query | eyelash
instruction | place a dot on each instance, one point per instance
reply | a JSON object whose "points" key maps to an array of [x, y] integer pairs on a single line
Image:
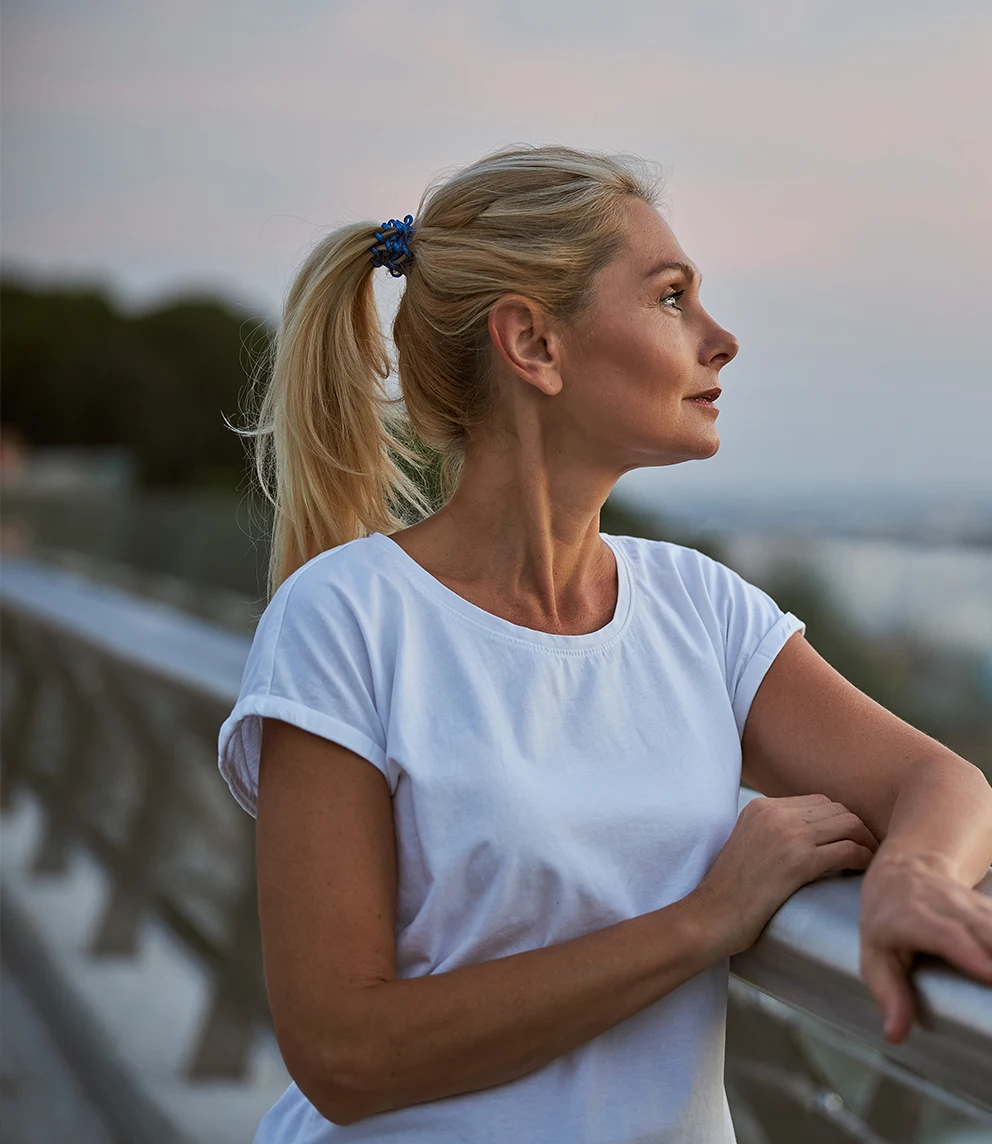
{"points": [[669, 297]]}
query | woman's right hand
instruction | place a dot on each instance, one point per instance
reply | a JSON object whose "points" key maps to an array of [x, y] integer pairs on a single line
{"points": [[776, 846]]}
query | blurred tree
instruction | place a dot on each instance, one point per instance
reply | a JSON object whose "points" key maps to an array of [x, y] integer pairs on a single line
{"points": [[76, 371], [618, 518]]}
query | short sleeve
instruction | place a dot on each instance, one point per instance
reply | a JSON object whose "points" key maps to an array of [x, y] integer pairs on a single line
{"points": [[309, 664], [753, 628]]}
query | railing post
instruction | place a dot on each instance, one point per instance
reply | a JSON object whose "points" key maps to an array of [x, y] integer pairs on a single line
{"points": [[770, 1069], [61, 793], [894, 1111], [117, 931], [224, 1045], [19, 709]]}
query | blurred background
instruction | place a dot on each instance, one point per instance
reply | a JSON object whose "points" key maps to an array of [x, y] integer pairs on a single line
{"points": [[165, 168]]}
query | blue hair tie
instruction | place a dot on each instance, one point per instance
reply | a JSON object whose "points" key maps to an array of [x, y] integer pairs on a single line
{"points": [[393, 251]]}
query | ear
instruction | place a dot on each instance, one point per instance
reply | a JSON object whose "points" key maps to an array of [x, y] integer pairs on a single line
{"points": [[526, 340]]}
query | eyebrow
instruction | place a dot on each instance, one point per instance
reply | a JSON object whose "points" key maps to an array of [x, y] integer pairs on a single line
{"points": [[684, 268]]}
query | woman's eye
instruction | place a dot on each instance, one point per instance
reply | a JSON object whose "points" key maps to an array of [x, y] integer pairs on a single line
{"points": [[672, 298]]}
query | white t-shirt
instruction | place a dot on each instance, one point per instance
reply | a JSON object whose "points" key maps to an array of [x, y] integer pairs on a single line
{"points": [[544, 786]]}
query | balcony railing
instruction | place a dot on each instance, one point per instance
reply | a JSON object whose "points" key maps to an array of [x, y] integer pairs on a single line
{"points": [[111, 707]]}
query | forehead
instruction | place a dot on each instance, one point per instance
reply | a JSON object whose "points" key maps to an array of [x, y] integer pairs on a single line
{"points": [[651, 245]]}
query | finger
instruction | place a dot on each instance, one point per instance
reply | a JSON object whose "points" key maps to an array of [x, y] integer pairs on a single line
{"points": [[900, 1016], [841, 855], [964, 949], [862, 834], [814, 798], [819, 810], [886, 974], [835, 827], [979, 919]]}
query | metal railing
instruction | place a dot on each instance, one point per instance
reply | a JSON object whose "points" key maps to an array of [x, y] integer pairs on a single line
{"points": [[111, 708]]}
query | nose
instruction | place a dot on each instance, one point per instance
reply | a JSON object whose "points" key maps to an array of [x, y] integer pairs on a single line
{"points": [[722, 347]]}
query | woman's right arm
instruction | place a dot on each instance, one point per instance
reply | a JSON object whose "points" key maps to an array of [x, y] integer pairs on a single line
{"points": [[357, 1041]]}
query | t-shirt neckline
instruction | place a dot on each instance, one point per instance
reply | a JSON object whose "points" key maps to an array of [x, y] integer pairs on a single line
{"points": [[419, 576]]}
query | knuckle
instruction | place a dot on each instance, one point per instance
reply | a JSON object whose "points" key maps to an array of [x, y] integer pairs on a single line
{"points": [[946, 929]]}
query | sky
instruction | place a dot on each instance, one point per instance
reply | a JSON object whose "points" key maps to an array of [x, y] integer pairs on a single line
{"points": [[827, 167]]}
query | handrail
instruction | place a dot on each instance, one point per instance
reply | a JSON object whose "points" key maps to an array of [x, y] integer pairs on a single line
{"points": [[807, 956], [148, 636]]}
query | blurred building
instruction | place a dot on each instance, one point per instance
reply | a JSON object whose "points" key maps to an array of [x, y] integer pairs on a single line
{"points": [[26, 469]]}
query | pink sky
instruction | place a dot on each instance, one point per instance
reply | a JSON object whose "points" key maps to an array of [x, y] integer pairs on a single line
{"points": [[828, 168]]}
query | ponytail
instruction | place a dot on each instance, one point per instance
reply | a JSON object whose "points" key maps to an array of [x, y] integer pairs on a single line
{"points": [[334, 456], [328, 436]]}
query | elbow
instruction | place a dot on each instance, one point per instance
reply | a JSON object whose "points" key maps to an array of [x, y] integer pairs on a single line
{"points": [[339, 1114], [337, 1078], [334, 1106]]}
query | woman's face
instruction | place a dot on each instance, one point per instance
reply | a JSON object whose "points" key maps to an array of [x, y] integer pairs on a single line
{"points": [[633, 359]]}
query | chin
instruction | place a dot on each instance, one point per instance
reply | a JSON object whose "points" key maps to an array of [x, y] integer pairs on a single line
{"points": [[704, 450]]}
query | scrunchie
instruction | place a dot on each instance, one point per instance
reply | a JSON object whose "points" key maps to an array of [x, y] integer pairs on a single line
{"points": [[393, 251]]}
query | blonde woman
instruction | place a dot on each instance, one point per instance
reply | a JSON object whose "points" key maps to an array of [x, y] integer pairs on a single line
{"points": [[495, 755]]}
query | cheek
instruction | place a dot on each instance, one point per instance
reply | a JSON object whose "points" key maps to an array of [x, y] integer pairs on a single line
{"points": [[629, 363], [645, 357]]}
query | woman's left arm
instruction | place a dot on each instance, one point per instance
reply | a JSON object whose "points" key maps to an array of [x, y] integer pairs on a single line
{"points": [[810, 730]]}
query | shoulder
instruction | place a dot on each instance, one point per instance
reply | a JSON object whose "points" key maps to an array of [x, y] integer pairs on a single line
{"points": [[345, 570], [334, 587], [687, 578], [665, 558]]}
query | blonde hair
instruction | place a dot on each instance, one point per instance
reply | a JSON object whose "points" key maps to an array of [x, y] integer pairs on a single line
{"points": [[330, 443]]}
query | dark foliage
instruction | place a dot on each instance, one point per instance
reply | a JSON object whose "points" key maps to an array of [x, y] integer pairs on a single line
{"points": [[76, 371]]}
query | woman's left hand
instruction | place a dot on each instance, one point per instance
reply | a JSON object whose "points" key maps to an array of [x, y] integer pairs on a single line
{"points": [[911, 904]]}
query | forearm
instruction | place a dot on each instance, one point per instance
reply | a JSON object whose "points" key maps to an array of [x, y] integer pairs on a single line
{"points": [[483, 1025], [943, 814]]}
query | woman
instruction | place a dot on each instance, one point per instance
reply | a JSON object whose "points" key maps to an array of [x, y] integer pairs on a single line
{"points": [[515, 924]]}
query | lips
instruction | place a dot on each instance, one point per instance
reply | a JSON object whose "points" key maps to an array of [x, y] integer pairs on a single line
{"points": [[708, 395]]}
